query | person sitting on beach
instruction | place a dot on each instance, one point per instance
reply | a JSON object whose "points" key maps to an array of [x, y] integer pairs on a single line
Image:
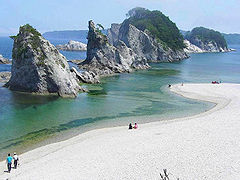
{"points": [[135, 126], [9, 162], [15, 160], [130, 126]]}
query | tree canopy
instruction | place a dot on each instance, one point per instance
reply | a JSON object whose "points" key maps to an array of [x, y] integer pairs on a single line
{"points": [[207, 35], [159, 25]]}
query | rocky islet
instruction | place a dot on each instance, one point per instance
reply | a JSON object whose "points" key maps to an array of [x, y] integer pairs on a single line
{"points": [[4, 60], [73, 46], [104, 58], [38, 67], [202, 39]]}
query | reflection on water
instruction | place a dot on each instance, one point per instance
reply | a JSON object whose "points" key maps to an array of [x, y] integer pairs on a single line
{"points": [[160, 72], [25, 100]]}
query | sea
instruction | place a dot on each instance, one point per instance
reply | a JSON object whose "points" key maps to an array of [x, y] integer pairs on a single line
{"points": [[29, 121]]}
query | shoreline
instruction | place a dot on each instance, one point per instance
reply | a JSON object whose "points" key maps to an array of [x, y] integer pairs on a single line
{"points": [[76, 131], [172, 90], [55, 147], [30, 145]]}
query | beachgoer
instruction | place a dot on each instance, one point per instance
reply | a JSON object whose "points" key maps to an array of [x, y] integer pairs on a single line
{"points": [[9, 162], [135, 126], [15, 158], [130, 126], [169, 85]]}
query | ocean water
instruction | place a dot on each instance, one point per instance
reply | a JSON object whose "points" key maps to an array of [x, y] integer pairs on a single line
{"points": [[29, 120], [70, 55], [6, 44]]}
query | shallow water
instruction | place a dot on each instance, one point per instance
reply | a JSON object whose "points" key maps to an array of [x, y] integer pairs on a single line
{"points": [[28, 119]]}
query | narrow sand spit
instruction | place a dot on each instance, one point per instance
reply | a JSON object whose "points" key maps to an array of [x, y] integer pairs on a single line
{"points": [[205, 146]]}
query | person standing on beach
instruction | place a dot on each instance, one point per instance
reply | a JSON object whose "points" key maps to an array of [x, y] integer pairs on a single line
{"points": [[9, 162], [15, 159]]}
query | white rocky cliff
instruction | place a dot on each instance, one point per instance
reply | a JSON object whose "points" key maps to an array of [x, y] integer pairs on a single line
{"points": [[39, 68], [191, 48], [209, 46], [202, 39], [104, 58], [143, 43], [73, 46], [4, 60]]}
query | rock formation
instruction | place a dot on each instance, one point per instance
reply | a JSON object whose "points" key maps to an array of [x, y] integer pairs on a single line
{"points": [[4, 60], [104, 58], [38, 67], [73, 46], [86, 76], [207, 40], [198, 46], [191, 48], [209, 46], [143, 43], [5, 77], [113, 33]]}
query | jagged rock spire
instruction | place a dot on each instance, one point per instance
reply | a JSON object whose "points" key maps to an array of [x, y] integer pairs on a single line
{"points": [[104, 58]]}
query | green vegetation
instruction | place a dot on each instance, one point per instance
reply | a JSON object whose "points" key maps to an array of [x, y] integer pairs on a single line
{"points": [[100, 29], [30, 29], [26, 28], [35, 42], [99, 26], [13, 37], [207, 35], [63, 65], [159, 25], [40, 63]]}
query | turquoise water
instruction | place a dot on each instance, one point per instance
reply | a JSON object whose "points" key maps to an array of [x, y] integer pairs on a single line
{"points": [[141, 96]]}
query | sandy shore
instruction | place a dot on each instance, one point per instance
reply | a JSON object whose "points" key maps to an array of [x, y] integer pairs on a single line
{"points": [[205, 146]]}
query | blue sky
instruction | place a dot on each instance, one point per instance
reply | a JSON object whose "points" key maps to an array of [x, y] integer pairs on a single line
{"points": [[48, 15]]}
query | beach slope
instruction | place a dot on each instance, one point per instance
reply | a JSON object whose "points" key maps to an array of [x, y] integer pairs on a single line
{"points": [[204, 146]]}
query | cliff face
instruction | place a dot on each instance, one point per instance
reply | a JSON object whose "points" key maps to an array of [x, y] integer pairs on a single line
{"points": [[38, 67], [113, 33], [104, 58], [143, 44], [73, 46], [5, 77], [3, 60], [207, 40], [191, 48], [208, 46]]}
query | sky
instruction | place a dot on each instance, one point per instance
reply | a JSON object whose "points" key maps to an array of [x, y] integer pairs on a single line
{"points": [[50, 15]]}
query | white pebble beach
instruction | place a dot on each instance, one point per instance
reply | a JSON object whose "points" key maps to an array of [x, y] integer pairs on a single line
{"points": [[204, 146]]}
